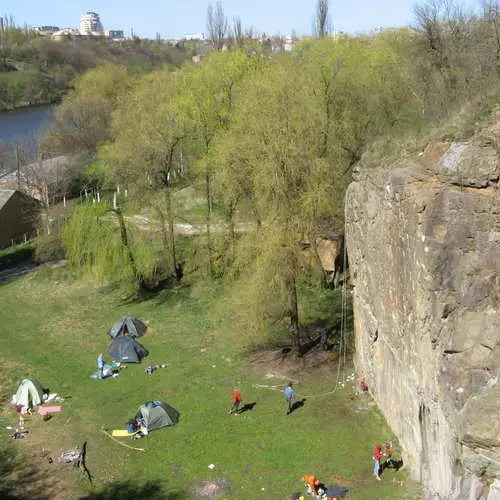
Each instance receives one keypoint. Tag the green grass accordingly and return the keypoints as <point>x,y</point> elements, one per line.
<point>53,328</point>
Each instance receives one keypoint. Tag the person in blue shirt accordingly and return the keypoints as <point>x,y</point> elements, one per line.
<point>289,397</point>
<point>100,364</point>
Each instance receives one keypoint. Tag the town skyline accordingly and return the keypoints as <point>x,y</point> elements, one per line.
<point>173,20</point>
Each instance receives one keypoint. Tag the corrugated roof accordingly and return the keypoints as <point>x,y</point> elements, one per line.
<point>5,195</point>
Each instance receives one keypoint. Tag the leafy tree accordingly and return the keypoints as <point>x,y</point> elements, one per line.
<point>82,121</point>
<point>275,122</point>
<point>144,156</point>
<point>210,100</point>
<point>99,241</point>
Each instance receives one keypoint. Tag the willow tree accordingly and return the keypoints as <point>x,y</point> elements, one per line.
<point>144,155</point>
<point>82,120</point>
<point>210,98</point>
<point>99,242</point>
<point>275,143</point>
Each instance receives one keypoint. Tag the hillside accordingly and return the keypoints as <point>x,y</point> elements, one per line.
<point>38,70</point>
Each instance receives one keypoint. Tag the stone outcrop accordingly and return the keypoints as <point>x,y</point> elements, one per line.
<point>423,238</point>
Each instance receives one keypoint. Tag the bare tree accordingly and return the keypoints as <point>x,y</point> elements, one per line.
<point>322,21</point>
<point>238,34</point>
<point>491,13</point>
<point>217,25</point>
<point>429,18</point>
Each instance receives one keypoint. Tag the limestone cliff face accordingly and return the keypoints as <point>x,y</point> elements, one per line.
<point>423,238</point>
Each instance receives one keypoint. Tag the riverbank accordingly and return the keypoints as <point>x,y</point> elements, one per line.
<point>21,89</point>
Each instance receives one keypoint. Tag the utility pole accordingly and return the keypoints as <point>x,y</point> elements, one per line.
<point>18,167</point>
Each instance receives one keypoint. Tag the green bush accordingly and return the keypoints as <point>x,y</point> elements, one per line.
<point>48,248</point>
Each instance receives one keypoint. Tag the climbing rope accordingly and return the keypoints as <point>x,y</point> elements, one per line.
<point>342,355</point>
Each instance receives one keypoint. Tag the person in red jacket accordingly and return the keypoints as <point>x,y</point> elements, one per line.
<point>236,401</point>
<point>377,457</point>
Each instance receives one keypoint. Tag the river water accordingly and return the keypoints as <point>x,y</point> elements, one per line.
<point>24,124</point>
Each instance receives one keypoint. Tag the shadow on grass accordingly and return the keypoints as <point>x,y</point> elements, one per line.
<point>127,490</point>
<point>16,256</point>
<point>20,480</point>
<point>247,407</point>
<point>298,404</point>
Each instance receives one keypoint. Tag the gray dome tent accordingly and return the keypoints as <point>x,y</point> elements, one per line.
<point>127,350</point>
<point>29,393</point>
<point>157,414</point>
<point>128,325</point>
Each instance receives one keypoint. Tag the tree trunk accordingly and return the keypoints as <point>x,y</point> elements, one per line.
<point>170,221</point>
<point>294,328</point>
<point>125,242</point>
<point>208,191</point>
<point>232,232</point>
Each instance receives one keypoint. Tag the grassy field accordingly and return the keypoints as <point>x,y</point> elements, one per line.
<point>53,327</point>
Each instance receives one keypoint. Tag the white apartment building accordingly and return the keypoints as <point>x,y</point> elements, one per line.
<point>194,36</point>
<point>90,24</point>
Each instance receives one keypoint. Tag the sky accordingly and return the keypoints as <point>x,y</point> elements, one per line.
<point>175,18</point>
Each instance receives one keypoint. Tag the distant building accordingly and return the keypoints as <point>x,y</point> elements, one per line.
<point>46,30</point>
<point>194,36</point>
<point>65,34</point>
<point>90,24</point>
<point>19,215</point>
<point>288,45</point>
<point>115,34</point>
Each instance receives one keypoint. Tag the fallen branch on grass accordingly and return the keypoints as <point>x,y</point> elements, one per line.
<point>120,443</point>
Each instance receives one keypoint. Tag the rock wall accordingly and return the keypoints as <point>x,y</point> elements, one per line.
<point>423,238</point>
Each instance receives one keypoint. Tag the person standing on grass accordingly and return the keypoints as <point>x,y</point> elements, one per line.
<point>100,364</point>
<point>236,401</point>
<point>377,457</point>
<point>289,397</point>
<point>388,451</point>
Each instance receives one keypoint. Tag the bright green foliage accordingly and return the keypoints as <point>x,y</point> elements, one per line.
<point>82,120</point>
<point>145,156</point>
<point>95,245</point>
<point>23,88</point>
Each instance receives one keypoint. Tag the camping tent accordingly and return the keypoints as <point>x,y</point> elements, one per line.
<point>29,393</point>
<point>127,350</point>
<point>128,325</point>
<point>157,414</point>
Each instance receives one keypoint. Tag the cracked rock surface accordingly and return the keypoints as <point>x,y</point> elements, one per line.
<point>423,238</point>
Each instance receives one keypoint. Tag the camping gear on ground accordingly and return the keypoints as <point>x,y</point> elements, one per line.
<point>336,491</point>
<point>122,433</point>
<point>156,414</point>
<point>19,434</point>
<point>29,393</point>
<point>106,433</point>
<point>43,410</point>
<point>74,457</point>
<point>108,371</point>
<point>127,350</point>
<point>151,368</point>
<point>128,326</point>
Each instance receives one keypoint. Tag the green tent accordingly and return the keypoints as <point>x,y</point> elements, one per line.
<point>29,393</point>
<point>157,414</point>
